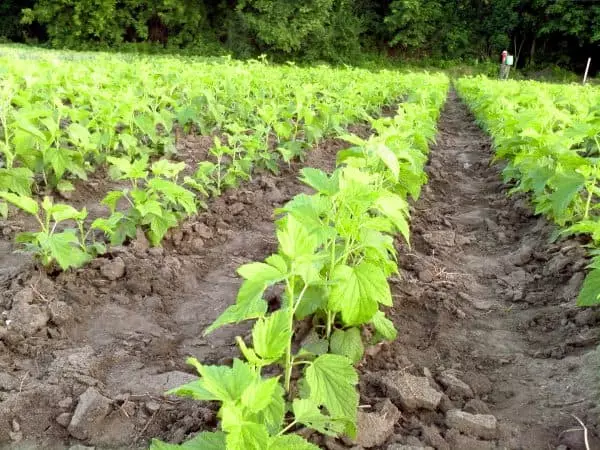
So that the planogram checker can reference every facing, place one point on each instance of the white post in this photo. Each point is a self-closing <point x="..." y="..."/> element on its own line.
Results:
<point x="587" y="67"/>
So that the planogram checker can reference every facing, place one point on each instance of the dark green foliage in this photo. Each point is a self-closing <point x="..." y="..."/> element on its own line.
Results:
<point x="75" y="23"/>
<point x="561" y="32"/>
<point x="10" y="16"/>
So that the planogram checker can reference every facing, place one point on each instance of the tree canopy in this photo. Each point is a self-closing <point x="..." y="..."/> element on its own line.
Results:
<point x="561" y="31"/>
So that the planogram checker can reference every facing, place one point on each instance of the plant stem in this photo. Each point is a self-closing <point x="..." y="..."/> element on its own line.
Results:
<point x="289" y="427"/>
<point x="330" y="317"/>
<point x="288" y="350"/>
<point x="587" y="204"/>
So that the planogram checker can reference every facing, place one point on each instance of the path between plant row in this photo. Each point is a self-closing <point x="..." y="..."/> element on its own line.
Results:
<point x="485" y="308"/>
<point x="487" y="300"/>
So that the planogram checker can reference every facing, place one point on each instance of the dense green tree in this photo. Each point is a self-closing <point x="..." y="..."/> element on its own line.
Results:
<point x="559" y="31"/>
<point x="10" y="18"/>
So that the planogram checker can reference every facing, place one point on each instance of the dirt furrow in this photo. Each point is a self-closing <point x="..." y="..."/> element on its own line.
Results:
<point x="86" y="355"/>
<point x="487" y="299"/>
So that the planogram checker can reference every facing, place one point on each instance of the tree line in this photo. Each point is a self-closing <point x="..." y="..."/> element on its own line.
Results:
<point x="534" y="31"/>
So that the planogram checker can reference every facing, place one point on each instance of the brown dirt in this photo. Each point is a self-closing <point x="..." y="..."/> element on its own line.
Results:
<point x="129" y="337"/>
<point x="482" y="292"/>
<point x="485" y="294"/>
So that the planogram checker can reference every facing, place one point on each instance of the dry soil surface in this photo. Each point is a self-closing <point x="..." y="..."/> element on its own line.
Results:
<point x="492" y="351"/>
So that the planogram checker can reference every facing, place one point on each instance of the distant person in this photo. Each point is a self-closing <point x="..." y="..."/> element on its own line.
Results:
<point x="506" y="62"/>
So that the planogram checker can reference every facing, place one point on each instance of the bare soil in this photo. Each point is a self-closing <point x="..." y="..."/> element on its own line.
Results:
<point x="484" y="295"/>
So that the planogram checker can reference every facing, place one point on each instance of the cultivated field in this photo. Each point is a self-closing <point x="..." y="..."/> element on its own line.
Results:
<point x="343" y="256"/>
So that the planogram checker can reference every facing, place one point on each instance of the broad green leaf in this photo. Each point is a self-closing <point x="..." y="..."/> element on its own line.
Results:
<point x="389" y="158"/>
<point x="384" y="326"/>
<point x="353" y="139"/>
<point x="312" y="211"/>
<point x="111" y="199"/>
<point x="320" y="181"/>
<point x="395" y="208"/>
<point x="271" y="335"/>
<point x="590" y="291"/>
<point x="357" y="291"/>
<point x="226" y="384"/>
<point x="307" y="412"/>
<point x="65" y="186"/>
<point x="314" y="344"/>
<point x="294" y="239"/>
<point x="250" y="308"/>
<point x="260" y="271"/>
<point x="272" y="416"/>
<point x="314" y="298"/>
<point x="109" y="225"/>
<point x="202" y="441"/>
<point x="159" y="225"/>
<point x="290" y="442"/>
<point x="60" y="212"/>
<point x="63" y="247"/>
<point x="278" y="262"/>
<point x="241" y="433"/>
<point x="166" y="168"/>
<point x="194" y="389"/>
<point x="25" y="203"/>
<point x="332" y="380"/>
<point x="566" y="187"/>
<point x="347" y="343"/>
<point x="27" y="126"/>
<point x="17" y="180"/>
<point x="174" y="193"/>
<point x="260" y="394"/>
<point x="79" y="134"/>
<point x="59" y="160"/>
<point x="150" y="207"/>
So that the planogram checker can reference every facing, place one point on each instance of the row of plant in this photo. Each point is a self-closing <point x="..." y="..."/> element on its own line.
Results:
<point x="549" y="136"/>
<point x="336" y="251"/>
<point x="59" y="120"/>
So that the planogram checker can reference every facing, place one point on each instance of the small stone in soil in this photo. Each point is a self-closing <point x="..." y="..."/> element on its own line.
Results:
<point x="585" y="317"/>
<point x="413" y="392"/>
<point x="152" y="406"/>
<point x="461" y="442"/>
<point x="64" y="419"/>
<point x="374" y="428"/>
<point x="236" y="208"/>
<point x="113" y="269"/>
<point x="128" y="408"/>
<point x="16" y="427"/>
<point x="432" y="436"/>
<point x="156" y="251"/>
<point x="426" y="276"/>
<point x="26" y="318"/>
<point x="197" y="244"/>
<point x="91" y="409"/>
<point x="476" y="406"/>
<point x="203" y="231"/>
<point x="479" y="383"/>
<point x="454" y="386"/>
<point x="440" y="238"/>
<point x="8" y="382"/>
<point x="15" y="436"/>
<point x="60" y="312"/>
<point x="478" y="425"/>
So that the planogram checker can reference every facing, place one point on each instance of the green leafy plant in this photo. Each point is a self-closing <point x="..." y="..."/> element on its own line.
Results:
<point x="156" y="203"/>
<point x="549" y="136"/>
<point x="69" y="247"/>
<point x="336" y="250"/>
